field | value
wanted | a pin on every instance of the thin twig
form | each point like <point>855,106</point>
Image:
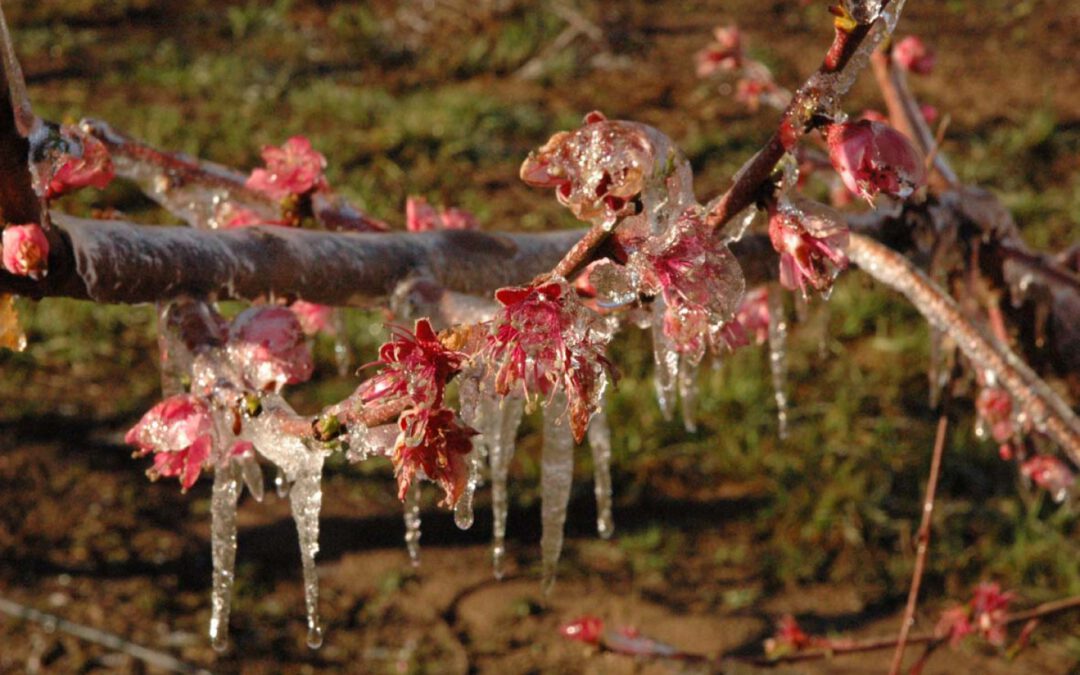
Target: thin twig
<point>923,545</point>
<point>52,623</point>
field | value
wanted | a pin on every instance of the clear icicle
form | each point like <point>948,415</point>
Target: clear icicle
<point>223,550</point>
<point>343,356</point>
<point>175,360</point>
<point>778,357</point>
<point>305,498</point>
<point>412,521</point>
<point>667,362</point>
<point>938,371</point>
<point>556,476</point>
<point>463,510</point>
<point>501,452</point>
<point>688,393</point>
<point>600,444</point>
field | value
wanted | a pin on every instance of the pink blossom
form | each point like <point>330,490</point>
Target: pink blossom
<point>598,171</point>
<point>26,251</point>
<point>811,242</point>
<point>454,218</point>
<point>724,54</point>
<point>587,629</point>
<point>434,442</point>
<point>954,624</point>
<point>994,407</point>
<point>914,56</point>
<point>1049,473</point>
<point>295,168</point>
<point>177,430</point>
<point>93,168</point>
<point>313,318</point>
<point>751,90</point>
<point>872,157</point>
<point>421,216</point>
<point>929,113</point>
<point>268,345</point>
<point>546,339</point>
<point>989,608</point>
<point>415,364</point>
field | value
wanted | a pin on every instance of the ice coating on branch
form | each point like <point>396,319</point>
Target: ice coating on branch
<point>26,251</point>
<point>294,168</point>
<point>872,157</point>
<point>267,345</point>
<point>812,240</point>
<point>556,477</point>
<point>612,169</point>
<point>65,158</point>
<point>547,341</point>
<point>412,522</point>
<point>223,551</point>
<point>778,358</point>
<point>600,445</point>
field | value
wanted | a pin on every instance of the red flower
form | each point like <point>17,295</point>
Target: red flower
<point>872,157</point>
<point>811,240</point>
<point>1049,473</point>
<point>178,431</point>
<point>954,624</point>
<point>725,53</point>
<point>268,346</point>
<point>912,55</point>
<point>597,171</point>
<point>432,441</point>
<point>988,611</point>
<point>994,407</point>
<point>416,365</point>
<point>26,251</point>
<point>587,629</point>
<point>92,167</point>
<point>293,169</point>
<point>546,339</point>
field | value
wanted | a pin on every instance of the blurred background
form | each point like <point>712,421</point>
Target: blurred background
<point>718,532</point>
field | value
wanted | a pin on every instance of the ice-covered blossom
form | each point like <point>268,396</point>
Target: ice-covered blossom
<point>1049,473</point>
<point>420,216</point>
<point>812,241</point>
<point>415,365</point>
<point>178,432</point>
<point>26,250</point>
<point>872,157</point>
<point>597,171</point>
<point>989,608</point>
<point>313,317</point>
<point>588,629</point>
<point>93,167</point>
<point>914,56</point>
<point>994,407</point>
<point>546,339</point>
<point>725,53</point>
<point>295,168</point>
<point>433,442</point>
<point>268,346</point>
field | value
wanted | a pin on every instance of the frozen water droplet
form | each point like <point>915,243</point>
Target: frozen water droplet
<point>223,501</point>
<point>463,510</point>
<point>666,359</point>
<point>314,637</point>
<point>556,476</point>
<point>778,357</point>
<point>220,643</point>
<point>412,521</point>
<point>600,444</point>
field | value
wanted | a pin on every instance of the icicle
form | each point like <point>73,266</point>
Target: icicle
<point>501,452</point>
<point>342,349</point>
<point>688,391</point>
<point>305,498</point>
<point>667,362</point>
<point>556,476</point>
<point>778,357</point>
<point>281,484</point>
<point>463,510</point>
<point>223,551</point>
<point>412,521</point>
<point>938,371</point>
<point>600,444</point>
<point>252,475</point>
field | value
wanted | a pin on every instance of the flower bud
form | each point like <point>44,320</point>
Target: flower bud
<point>26,251</point>
<point>914,56</point>
<point>872,157</point>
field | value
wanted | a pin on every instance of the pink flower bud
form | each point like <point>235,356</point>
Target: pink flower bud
<point>26,251</point>
<point>872,157</point>
<point>1049,473</point>
<point>989,607</point>
<point>313,318</point>
<point>420,216</point>
<point>994,407</point>
<point>914,56</point>
<point>293,169</point>
<point>177,431</point>
<point>268,345</point>
<point>812,241</point>
<point>929,113</point>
